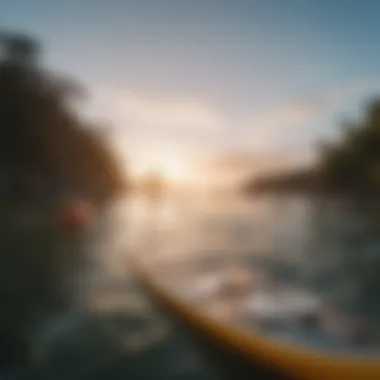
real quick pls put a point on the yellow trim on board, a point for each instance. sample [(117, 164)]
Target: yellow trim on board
[(291, 360)]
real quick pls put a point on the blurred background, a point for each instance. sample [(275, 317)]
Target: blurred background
[(232, 146)]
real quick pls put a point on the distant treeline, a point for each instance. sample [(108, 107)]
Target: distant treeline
[(349, 166), (45, 147), (300, 181)]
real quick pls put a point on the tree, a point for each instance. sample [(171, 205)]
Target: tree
[(352, 164), (40, 135)]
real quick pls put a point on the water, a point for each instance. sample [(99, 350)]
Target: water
[(293, 269), (109, 330)]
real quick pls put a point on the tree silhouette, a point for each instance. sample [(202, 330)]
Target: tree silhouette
[(44, 148), (40, 136), (352, 165)]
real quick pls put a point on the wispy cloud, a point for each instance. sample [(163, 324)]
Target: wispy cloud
[(163, 114), (284, 120), (147, 122), (236, 166)]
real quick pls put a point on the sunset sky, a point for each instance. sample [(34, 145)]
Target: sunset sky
[(185, 79)]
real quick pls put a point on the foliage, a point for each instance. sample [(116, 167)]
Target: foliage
[(45, 149), (41, 138), (298, 181), (352, 165)]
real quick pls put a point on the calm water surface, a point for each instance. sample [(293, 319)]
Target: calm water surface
[(291, 269), (294, 269)]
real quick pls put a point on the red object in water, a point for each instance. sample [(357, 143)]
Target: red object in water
[(74, 215)]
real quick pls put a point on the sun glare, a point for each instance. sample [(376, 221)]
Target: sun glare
[(173, 168)]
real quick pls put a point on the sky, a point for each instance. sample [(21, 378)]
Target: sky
[(180, 79)]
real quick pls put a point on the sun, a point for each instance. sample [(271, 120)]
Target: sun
[(173, 168)]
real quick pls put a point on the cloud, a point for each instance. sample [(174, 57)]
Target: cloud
[(163, 114), (281, 118), (287, 119), (145, 122), (234, 166)]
